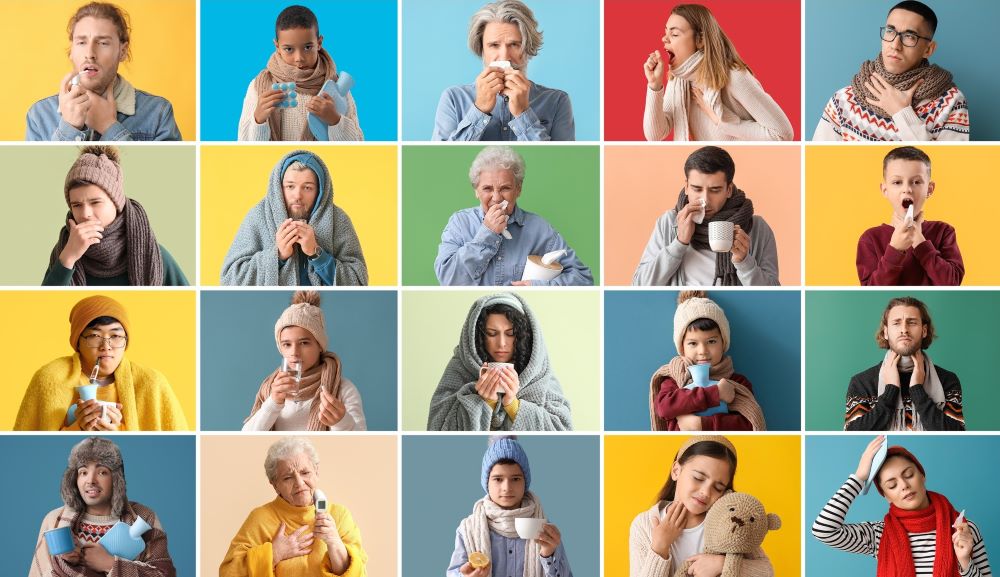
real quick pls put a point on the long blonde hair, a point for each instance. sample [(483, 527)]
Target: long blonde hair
[(720, 54)]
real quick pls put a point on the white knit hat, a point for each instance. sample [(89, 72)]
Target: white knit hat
[(694, 305), (305, 313)]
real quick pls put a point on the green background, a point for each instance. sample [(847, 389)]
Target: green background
[(161, 178), (561, 184), (570, 322), (840, 342)]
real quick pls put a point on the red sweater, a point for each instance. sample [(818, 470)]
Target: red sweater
[(936, 261), (672, 401)]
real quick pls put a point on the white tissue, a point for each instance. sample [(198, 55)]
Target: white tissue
[(551, 257), (500, 64), (960, 519), (699, 216), (908, 219), (503, 205)]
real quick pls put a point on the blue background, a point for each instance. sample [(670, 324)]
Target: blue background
[(441, 482), (436, 55), (969, 483), (842, 34), (237, 38), (238, 350), (765, 330), (159, 473)]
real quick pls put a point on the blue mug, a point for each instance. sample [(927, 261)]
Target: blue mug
[(59, 540)]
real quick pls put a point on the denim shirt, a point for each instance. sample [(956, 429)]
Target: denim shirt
[(472, 254), (507, 558), (549, 116), (153, 120)]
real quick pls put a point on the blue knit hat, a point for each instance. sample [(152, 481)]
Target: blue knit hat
[(316, 165), (505, 447)]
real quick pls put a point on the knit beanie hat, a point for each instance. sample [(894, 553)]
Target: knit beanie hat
[(99, 165), (895, 451), (305, 313), (505, 447), (89, 309), (702, 438), (694, 305), (103, 452)]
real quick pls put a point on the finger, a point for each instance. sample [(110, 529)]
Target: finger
[(301, 530), (65, 86)]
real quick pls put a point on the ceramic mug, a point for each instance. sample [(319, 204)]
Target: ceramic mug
[(720, 235), (59, 540)]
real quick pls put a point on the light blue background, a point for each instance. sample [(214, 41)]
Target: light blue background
[(969, 483), (238, 350), (237, 38), (436, 55), (638, 339), (842, 34), (441, 482), (159, 473)]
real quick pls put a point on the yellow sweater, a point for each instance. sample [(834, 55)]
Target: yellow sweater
[(250, 552)]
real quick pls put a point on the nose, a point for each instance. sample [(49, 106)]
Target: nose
[(105, 344), (504, 339), (663, 39)]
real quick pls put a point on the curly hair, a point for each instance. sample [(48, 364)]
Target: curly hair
[(522, 334), (925, 318)]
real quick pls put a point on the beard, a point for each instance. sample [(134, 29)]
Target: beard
[(298, 214), (905, 350)]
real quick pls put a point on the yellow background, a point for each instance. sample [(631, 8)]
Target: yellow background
[(235, 178), (162, 337), (636, 467), (843, 200), (163, 59)]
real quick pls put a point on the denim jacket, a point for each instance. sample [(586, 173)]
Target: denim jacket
[(153, 120)]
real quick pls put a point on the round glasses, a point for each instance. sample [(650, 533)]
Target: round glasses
[(114, 341)]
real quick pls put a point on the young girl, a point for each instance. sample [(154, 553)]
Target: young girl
[(701, 333)]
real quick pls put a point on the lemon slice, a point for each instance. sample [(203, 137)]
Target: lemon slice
[(478, 560)]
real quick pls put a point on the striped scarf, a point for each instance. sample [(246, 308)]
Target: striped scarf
[(737, 210)]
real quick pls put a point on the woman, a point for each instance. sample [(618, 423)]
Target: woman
[(918, 535), (322, 399), (107, 240), (712, 94), (130, 397), (292, 529), (476, 395)]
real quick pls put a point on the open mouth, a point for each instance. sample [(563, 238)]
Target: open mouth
[(89, 70), (907, 203), (671, 57)]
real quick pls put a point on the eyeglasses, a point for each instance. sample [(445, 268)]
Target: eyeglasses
[(95, 341), (909, 38)]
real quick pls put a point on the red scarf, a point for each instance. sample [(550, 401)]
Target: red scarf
[(895, 558)]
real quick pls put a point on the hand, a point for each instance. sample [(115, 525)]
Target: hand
[(727, 391), (653, 67), (282, 387), (510, 383), (516, 88), (888, 97), (918, 229), (285, 239), (962, 541), (326, 529), (689, 422), (489, 83), (706, 565), (667, 530), (81, 237), (73, 557), (288, 546), (865, 464), (741, 244), (88, 414), (698, 95), (306, 237), (890, 369), (520, 283), (495, 219), (322, 105), (467, 569), (919, 375), (96, 557), (112, 420), (686, 223), (488, 384), (103, 110), (331, 409), (903, 236), (266, 103), (548, 540), (73, 102)]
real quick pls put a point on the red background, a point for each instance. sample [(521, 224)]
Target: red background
[(766, 34)]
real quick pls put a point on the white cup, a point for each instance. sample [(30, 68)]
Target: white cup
[(496, 366), (528, 527), (720, 235)]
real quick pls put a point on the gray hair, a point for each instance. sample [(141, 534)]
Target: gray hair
[(284, 449), (510, 12), (497, 157)]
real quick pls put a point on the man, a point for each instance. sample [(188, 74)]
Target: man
[(94, 102), (296, 235), (93, 493), (906, 391), (678, 252), (899, 95), (488, 245)]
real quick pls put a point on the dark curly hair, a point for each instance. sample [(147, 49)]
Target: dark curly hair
[(522, 334)]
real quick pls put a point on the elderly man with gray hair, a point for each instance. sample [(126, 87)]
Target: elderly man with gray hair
[(491, 244), (502, 104)]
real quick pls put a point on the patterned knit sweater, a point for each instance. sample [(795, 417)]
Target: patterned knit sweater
[(866, 411), (847, 118)]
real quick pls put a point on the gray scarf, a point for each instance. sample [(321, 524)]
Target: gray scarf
[(932, 384), (738, 210)]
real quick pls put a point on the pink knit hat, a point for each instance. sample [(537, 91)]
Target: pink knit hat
[(98, 165), (305, 313)]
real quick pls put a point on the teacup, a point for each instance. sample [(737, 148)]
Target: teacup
[(528, 527)]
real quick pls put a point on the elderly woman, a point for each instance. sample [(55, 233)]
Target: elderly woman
[(308, 392), (489, 245), (293, 535), (502, 104), (499, 377), (129, 397)]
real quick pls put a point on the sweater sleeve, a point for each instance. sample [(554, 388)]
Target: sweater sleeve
[(980, 566), (828, 128), (173, 275), (673, 401), (349, 127), (760, 267), (642, 560), (951, 121), (943, 263), (350, 535), (656, 122), (354, 419), (264, 418), (663, 255), (57, 275), (248, 128), (865, 411), (768, 121), (830, 526), (878, 265), (948, 416)]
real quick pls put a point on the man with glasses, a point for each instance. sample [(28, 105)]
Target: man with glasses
[(128, 396), (899, 95)]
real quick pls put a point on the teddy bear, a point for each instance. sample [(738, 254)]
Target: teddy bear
[(735, 526)]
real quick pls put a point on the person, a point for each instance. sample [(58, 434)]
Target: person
[(899, 95), (322, 399), (490, 244), (298, 57), (490, 531), (94, 499), (521, 393), (701, 334), (678, 252), (711, 93), (920, 535), (502, 103), (296, 235), (906, 391), (291, 536), (94, 101), (672, 531), (107, 239), (130, 397), (909, 251)]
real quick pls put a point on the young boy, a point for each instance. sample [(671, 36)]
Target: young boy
[(299, 57), (911, 250), (701, 333)]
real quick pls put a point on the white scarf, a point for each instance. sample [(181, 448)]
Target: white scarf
[(681, 95), (932, 384), (488, 516)]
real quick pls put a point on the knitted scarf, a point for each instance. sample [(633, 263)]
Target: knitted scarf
[(325, 375), (937, 81), (306, 82), (127, 244), (684, 76), (677, 369), (894, 554), (455, 405), (932, 385), (488, 516), (737, 210)]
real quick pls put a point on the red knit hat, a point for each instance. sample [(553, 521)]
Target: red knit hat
[(896, 451)]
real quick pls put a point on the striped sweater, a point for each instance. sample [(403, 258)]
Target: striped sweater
[(864, 538), (846, 118)]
